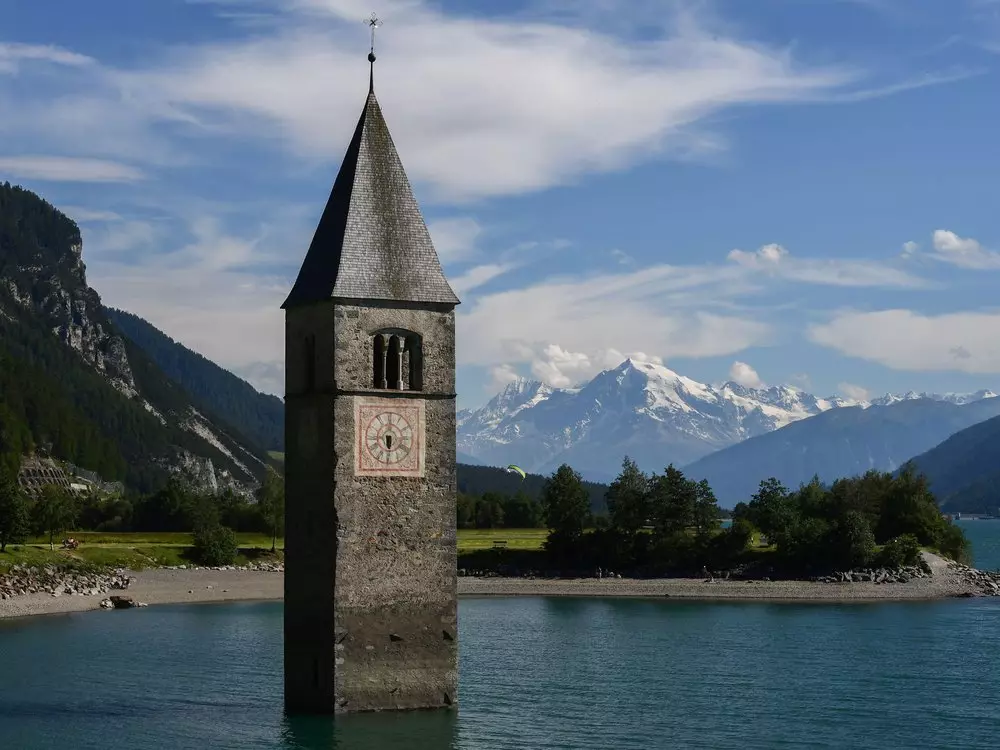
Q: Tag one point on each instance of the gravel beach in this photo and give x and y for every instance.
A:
(944, 582)
(171, 586)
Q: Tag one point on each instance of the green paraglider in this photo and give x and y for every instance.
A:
(516, 470)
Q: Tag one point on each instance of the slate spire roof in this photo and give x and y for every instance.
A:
(371, 242)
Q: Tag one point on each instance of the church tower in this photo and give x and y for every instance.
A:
(370, 555)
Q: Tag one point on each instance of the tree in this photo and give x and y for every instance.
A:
(271, 502)
(215, 545)
(672, 502)
(489, 511)
(566, 506)
(14, 514)
(54, 512)
(522, 512)
(465, 511)
(628, 498)
(772, 509)
(706, 510)
(854, 542)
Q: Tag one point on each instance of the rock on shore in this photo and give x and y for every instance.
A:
(50, 579)
(980, 582)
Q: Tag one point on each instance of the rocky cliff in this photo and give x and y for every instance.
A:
(76, 387)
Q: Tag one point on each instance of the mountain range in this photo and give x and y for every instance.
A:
(657, 417)
(73, 386)
(108, 391)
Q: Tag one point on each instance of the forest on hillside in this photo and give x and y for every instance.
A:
(258, 416)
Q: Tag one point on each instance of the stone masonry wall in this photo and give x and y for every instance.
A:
(370, 581)
(310, 520)
(396, 558)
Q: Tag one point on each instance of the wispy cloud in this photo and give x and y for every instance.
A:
(907, 340)
(686, 311)
(67, 169)
(482, 107)
(13, 54)
(774, 260)
(962, 252)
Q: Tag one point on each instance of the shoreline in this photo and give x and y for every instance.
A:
(204, 585)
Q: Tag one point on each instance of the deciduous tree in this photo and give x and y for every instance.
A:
(14, 514)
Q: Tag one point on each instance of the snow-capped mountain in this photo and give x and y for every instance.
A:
(641, 409)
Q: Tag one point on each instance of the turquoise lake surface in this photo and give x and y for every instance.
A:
(536, 672)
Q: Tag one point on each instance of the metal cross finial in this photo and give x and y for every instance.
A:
(374, 22)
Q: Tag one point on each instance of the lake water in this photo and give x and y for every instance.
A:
(535, 673)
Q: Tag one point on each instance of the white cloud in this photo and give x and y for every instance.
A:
(206, 288)
(910, 248)
(565, 327)
(963, 252)
(802, 379)
(776, 261)
(743, 374)
(853, 392)
(479, 107)
(906, 340)
(88, 215)
(623, 258)
(767, 256)
(501, 376)
(561, 368)
(476, 276)
(67, 169)
(455, 239)
(12, 54)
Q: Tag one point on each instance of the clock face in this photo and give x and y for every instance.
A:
(389, 437)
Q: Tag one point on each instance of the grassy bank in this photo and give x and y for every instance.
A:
(140, 550)
(136, 551)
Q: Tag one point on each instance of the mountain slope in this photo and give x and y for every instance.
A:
(838, 443)
(964, 470)
(73, 385)
(259, 416)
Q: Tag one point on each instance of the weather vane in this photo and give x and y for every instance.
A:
(374, 22)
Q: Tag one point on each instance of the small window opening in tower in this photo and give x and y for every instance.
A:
(309, 362)
(378, 361)
(388, 442)
(394, 365)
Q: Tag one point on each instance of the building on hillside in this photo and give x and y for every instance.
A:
(38, 472)
(370, 473)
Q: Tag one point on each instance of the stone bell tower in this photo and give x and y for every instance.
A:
(370, 555)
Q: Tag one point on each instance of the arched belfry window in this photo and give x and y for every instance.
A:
(397, 360)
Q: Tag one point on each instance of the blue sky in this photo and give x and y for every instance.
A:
(778, 191)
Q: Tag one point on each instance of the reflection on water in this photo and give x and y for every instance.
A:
(418, 730)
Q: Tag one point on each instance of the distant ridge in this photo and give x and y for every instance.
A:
(839, 443)
(259, 416)
(964, 470)
(646, 411)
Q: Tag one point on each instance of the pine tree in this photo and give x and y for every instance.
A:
(628, 498)
(672, 501)
(566, 507)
